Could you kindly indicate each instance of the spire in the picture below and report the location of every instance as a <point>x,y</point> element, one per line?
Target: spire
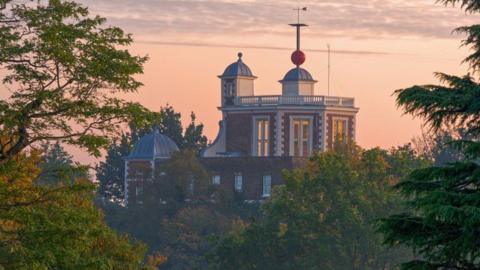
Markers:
<point>298,57</point>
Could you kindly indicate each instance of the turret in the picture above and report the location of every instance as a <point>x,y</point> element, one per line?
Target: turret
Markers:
<point>236,81</point>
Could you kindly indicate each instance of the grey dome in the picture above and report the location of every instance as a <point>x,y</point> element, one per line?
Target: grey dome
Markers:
<point>237,69</point>
<point>153,145</point>
<point>298,74</point>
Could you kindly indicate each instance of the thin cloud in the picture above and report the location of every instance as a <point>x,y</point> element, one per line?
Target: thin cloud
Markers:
<point>195,44</point>
<point>364,19</point>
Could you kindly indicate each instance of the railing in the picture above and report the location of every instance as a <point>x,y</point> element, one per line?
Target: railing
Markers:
<point>293,100</point>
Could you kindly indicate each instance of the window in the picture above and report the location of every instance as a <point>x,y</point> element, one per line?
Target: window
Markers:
<point>139,194</point>
<point>216,180</point>
<point>191,185</point>
<point>301,141</point>
<point>340,129</point>
<point>238,182</point>
<point>261,137</point>
<point>267,185</point>
<point>229,87</point>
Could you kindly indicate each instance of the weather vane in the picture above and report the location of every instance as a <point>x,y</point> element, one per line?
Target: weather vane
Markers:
<point>298,57</point>
<point>298,13</point>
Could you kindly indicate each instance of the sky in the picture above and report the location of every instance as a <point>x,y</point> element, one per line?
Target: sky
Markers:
<point>378,46</point>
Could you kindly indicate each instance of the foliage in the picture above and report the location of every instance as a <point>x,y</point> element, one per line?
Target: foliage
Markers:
<point>57,166</point>
<point>438,148</point>
<point>65,71</point>
<point>442,223</point>
<point>111,172</point>
<point>193,137</point>
<point>176,222</point>
<point>57,227</point>
<point>323,217</point>
<point>169,123</point>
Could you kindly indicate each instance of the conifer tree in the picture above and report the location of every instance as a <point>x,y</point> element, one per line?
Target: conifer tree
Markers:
<point>111,172</point>
<point>443,224</point>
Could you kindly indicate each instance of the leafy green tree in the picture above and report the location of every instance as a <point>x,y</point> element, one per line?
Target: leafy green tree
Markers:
<point>442,226</point>
<point>323,218</point>
<point>65,70</point>
<point>57,227</point>
<point>57,166</point>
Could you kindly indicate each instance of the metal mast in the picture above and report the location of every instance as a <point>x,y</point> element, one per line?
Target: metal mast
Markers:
<point>298,25</point>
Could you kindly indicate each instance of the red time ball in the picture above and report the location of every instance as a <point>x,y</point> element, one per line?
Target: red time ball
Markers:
<point>298,58</point>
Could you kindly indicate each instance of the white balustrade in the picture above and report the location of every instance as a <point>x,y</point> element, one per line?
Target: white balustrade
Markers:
<point>294,100</point>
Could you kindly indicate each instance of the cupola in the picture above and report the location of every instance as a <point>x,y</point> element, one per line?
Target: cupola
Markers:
<point>236,81</point>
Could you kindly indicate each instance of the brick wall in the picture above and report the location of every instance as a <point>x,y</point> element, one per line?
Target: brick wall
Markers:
<point>239,131</point>
<point>252,170</point>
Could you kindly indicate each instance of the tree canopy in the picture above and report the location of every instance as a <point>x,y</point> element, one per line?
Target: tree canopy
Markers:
<point>324,216</point>
<point>442,222</point>
<point>57,227</point>
<point>65,71</point>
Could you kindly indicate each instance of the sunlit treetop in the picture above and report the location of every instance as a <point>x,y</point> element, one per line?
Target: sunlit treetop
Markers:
<point>65,71</point>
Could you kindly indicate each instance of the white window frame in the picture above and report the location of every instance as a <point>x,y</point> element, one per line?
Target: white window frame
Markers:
<point>310,134</point>
<point>139,193</point>
<point>191,185</point>
<point>334,127</point>
<point>266,186</point>
<point>238,182</point>
<point>265,140</point>
<point>216,179</point>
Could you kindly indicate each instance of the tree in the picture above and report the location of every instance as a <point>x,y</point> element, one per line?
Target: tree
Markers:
<point>323,218</point>
<point>174,220</point>
<point>65,70</point>
<point>167,121</point>
<point>437,146</point>
<point>442,224</point>
<point>194,138</point>
<point>57,166</point>
<point>57,227</point>
<point>111,172</point>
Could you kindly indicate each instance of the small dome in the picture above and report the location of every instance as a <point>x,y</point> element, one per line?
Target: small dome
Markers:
<point>238,69</point>
<point>153,145</point>
<point>298,74</point>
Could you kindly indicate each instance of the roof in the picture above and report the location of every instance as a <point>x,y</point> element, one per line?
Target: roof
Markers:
<point>238,69</point>
<point>298,74</point>
<point>152,146</point>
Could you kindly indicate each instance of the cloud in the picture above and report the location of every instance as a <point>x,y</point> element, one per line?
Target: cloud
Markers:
<point>196,44</point>
<point>357,19</point>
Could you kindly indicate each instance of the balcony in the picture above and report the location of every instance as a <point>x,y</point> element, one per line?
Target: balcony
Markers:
<point>293,100</point>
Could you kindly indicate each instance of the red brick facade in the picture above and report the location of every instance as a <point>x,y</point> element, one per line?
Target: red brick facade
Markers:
<point>252,169</point>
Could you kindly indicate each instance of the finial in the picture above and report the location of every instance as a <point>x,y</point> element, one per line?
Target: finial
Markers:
<point>240,54</point>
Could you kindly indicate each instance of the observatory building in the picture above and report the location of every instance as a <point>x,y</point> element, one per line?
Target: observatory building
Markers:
<point>259,136</point>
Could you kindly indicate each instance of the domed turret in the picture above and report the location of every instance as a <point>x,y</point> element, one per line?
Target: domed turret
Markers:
<point>298,74</point>
<point>298,82</point>
<point>152,146</point>
<point>237,81</point>
<point>238,69</point>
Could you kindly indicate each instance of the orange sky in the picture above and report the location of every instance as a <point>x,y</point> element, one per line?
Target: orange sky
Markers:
<point>190,42</point>
<point>186,78</point>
